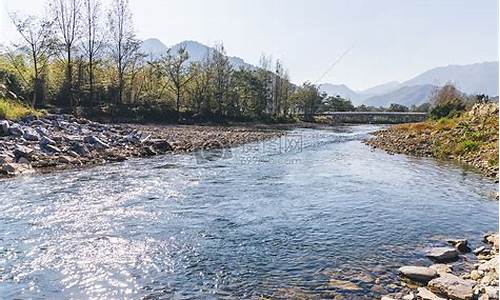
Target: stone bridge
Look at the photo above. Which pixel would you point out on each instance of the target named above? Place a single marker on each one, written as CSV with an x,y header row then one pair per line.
x,y
371,117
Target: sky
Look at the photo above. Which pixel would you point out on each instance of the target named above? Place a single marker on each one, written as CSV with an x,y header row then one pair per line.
x,y
372,42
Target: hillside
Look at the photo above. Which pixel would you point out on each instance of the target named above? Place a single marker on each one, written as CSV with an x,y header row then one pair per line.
x,y
471,138
407,95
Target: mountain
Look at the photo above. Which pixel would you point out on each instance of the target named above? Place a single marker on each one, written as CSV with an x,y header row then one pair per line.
x,y
154,48
479,78
406,95
382,88
343,91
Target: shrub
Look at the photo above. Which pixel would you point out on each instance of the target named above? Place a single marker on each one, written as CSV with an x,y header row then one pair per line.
x,y
10,109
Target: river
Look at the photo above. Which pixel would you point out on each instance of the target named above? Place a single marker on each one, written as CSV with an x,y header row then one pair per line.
x,y
290,217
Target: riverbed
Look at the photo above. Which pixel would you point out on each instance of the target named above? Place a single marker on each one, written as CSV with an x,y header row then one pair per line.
x,y
288,217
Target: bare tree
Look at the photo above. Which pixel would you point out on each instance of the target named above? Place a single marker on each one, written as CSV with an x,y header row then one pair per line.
x,y
174,67
38,44
68,20
93,39
222,72
124,45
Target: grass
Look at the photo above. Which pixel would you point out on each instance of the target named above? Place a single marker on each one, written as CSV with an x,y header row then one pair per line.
x,y
12,110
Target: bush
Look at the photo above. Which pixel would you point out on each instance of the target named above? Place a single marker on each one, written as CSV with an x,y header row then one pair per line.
x,y
10,109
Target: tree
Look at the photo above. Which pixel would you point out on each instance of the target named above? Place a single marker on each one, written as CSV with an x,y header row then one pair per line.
x,y
37,34
447,101
124,45
222,73
394,107
337,103
67,16
93,39
175,69
308,99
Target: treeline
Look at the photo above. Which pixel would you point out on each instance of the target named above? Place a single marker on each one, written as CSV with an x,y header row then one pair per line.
x,y
86,57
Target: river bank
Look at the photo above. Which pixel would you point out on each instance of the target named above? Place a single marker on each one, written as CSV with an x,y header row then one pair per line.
x,y
65,141
455,272
471,138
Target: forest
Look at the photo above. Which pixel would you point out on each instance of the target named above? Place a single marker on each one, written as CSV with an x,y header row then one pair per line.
x,y
84,58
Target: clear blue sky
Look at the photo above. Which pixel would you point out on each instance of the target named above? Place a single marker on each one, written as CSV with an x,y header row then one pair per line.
x,y
392,39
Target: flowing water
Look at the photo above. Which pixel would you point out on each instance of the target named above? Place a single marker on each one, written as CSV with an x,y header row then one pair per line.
x,y
290,217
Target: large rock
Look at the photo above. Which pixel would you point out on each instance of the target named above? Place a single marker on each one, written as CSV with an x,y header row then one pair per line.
x,y
420,274
490,265
443,254
95,141
461,245
425,294
22,151
452,286
46,141
492,239
30,134
16,130
4,127
13,169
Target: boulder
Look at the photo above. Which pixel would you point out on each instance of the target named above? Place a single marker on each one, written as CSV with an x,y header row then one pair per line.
x,y
452,286
492,239
16,130
22,151
490,265
4,127
441,268
46,141
51,148
442,254
425,294
478,250
95,141
419,274
13,169
460,245
30,134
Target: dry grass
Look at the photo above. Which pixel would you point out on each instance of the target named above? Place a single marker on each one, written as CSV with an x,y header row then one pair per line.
x,y
12,110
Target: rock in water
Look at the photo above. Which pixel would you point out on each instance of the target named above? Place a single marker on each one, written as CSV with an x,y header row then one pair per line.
x,y
442,254
452,286
419,274
425,294
4,127
460,245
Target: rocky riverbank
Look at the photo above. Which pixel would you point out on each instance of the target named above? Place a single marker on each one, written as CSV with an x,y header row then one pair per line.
x,y
468,278
471,138
64,141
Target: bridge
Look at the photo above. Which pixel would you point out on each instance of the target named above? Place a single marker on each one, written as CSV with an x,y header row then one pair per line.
x,y
372,117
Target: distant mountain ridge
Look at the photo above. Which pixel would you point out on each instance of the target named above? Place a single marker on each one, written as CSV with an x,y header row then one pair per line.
x,y
478,78
154,49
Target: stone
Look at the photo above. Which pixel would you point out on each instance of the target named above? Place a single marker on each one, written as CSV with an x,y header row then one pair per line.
x,y
460,245
410,296
443,254
95,141
491,292
16,130
492,239
387,298
425,294
344,285
30,134
419,274
490,265
13,169
51,148
476,275
22,151
441,268
452,286
478,250
4,127
46,141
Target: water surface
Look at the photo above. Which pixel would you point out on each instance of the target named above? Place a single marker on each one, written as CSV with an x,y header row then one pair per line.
x,y
284,218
